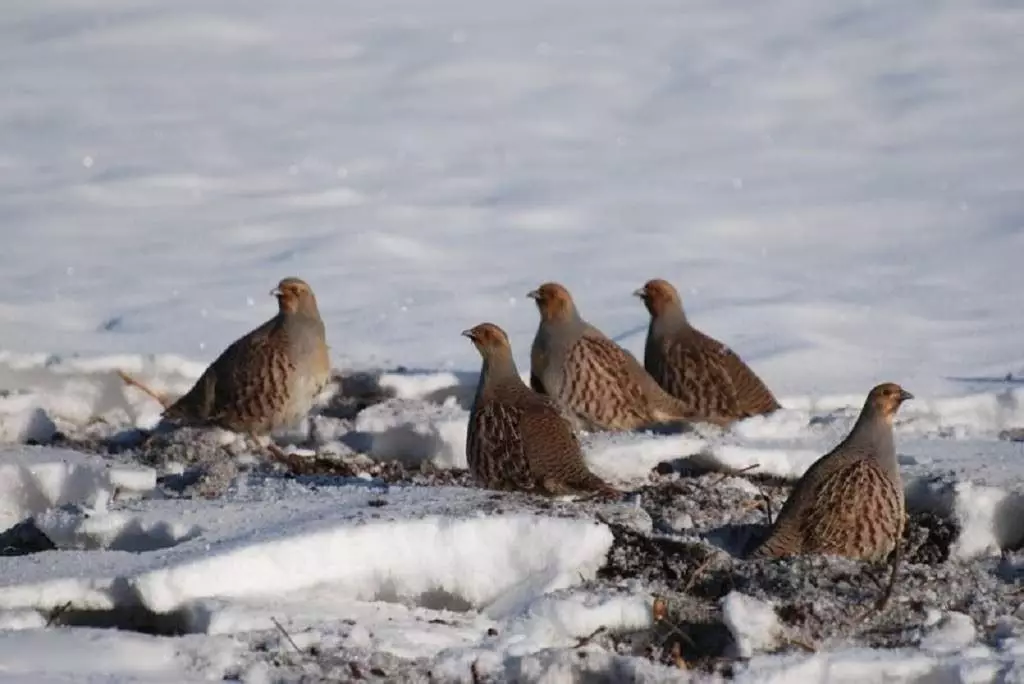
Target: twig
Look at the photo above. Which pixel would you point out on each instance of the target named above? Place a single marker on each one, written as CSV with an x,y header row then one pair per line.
x,y
767,504
132,382
56,613
287,636
697,572
733,474
794,641
584,640
659,611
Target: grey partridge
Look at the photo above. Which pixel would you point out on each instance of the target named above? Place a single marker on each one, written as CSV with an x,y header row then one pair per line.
x,y
268,379
850,501
597,382
707,376
517,439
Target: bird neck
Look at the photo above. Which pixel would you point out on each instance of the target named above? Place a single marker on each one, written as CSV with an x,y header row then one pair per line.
x,y
307,307
499,367
499,370
668,321
873,433
567,319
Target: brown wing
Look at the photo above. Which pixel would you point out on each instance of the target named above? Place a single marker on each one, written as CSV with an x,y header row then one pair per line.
x,y
786,536
855,511
601,385
611,390
697,376
752,396
244,389
494,447
554,454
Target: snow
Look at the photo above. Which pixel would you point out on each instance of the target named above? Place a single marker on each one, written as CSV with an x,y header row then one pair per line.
x,y
111,655
835,188
753,624
35,480
952,633
414,432
302,541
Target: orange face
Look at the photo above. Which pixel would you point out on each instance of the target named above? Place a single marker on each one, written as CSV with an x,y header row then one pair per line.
x,y
487,337
291,293
658,295
553,301
887,398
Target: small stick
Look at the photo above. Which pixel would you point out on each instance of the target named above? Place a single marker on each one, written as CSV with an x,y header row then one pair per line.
x,y
287,636
132,382
56,613
696,573
583,641
733,474
659,613
793,641
767,505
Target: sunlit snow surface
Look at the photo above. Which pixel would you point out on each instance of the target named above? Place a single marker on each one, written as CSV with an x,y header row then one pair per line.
x,y
837,189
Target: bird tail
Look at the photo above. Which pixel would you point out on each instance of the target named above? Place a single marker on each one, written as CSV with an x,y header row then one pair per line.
x,y
134,382
597,487
772,546
582,482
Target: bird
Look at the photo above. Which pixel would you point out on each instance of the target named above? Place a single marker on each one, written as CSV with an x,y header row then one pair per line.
x,y
517,439
595,381
706,375
269,378
850,501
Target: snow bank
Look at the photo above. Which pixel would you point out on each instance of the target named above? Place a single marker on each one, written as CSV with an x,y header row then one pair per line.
x,y
412,431
853,666
63,655
990,519
33,480
23,419
429,385
629,457
74,393
418,543
785,463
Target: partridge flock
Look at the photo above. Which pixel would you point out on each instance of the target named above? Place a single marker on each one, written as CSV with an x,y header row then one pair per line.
x,y
524,437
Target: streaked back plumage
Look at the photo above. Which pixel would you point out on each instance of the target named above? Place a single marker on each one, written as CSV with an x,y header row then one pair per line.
x,y
849,502
708,377
590,377
518,439
267,379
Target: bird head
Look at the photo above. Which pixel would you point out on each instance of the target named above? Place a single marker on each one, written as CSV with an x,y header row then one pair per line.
x,y
553,301
886,399
488,339
293,295
658,296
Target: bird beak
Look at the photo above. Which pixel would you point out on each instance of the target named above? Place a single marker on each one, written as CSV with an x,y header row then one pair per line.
x,y
641,293
467,333
533,294
905,395
276,292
